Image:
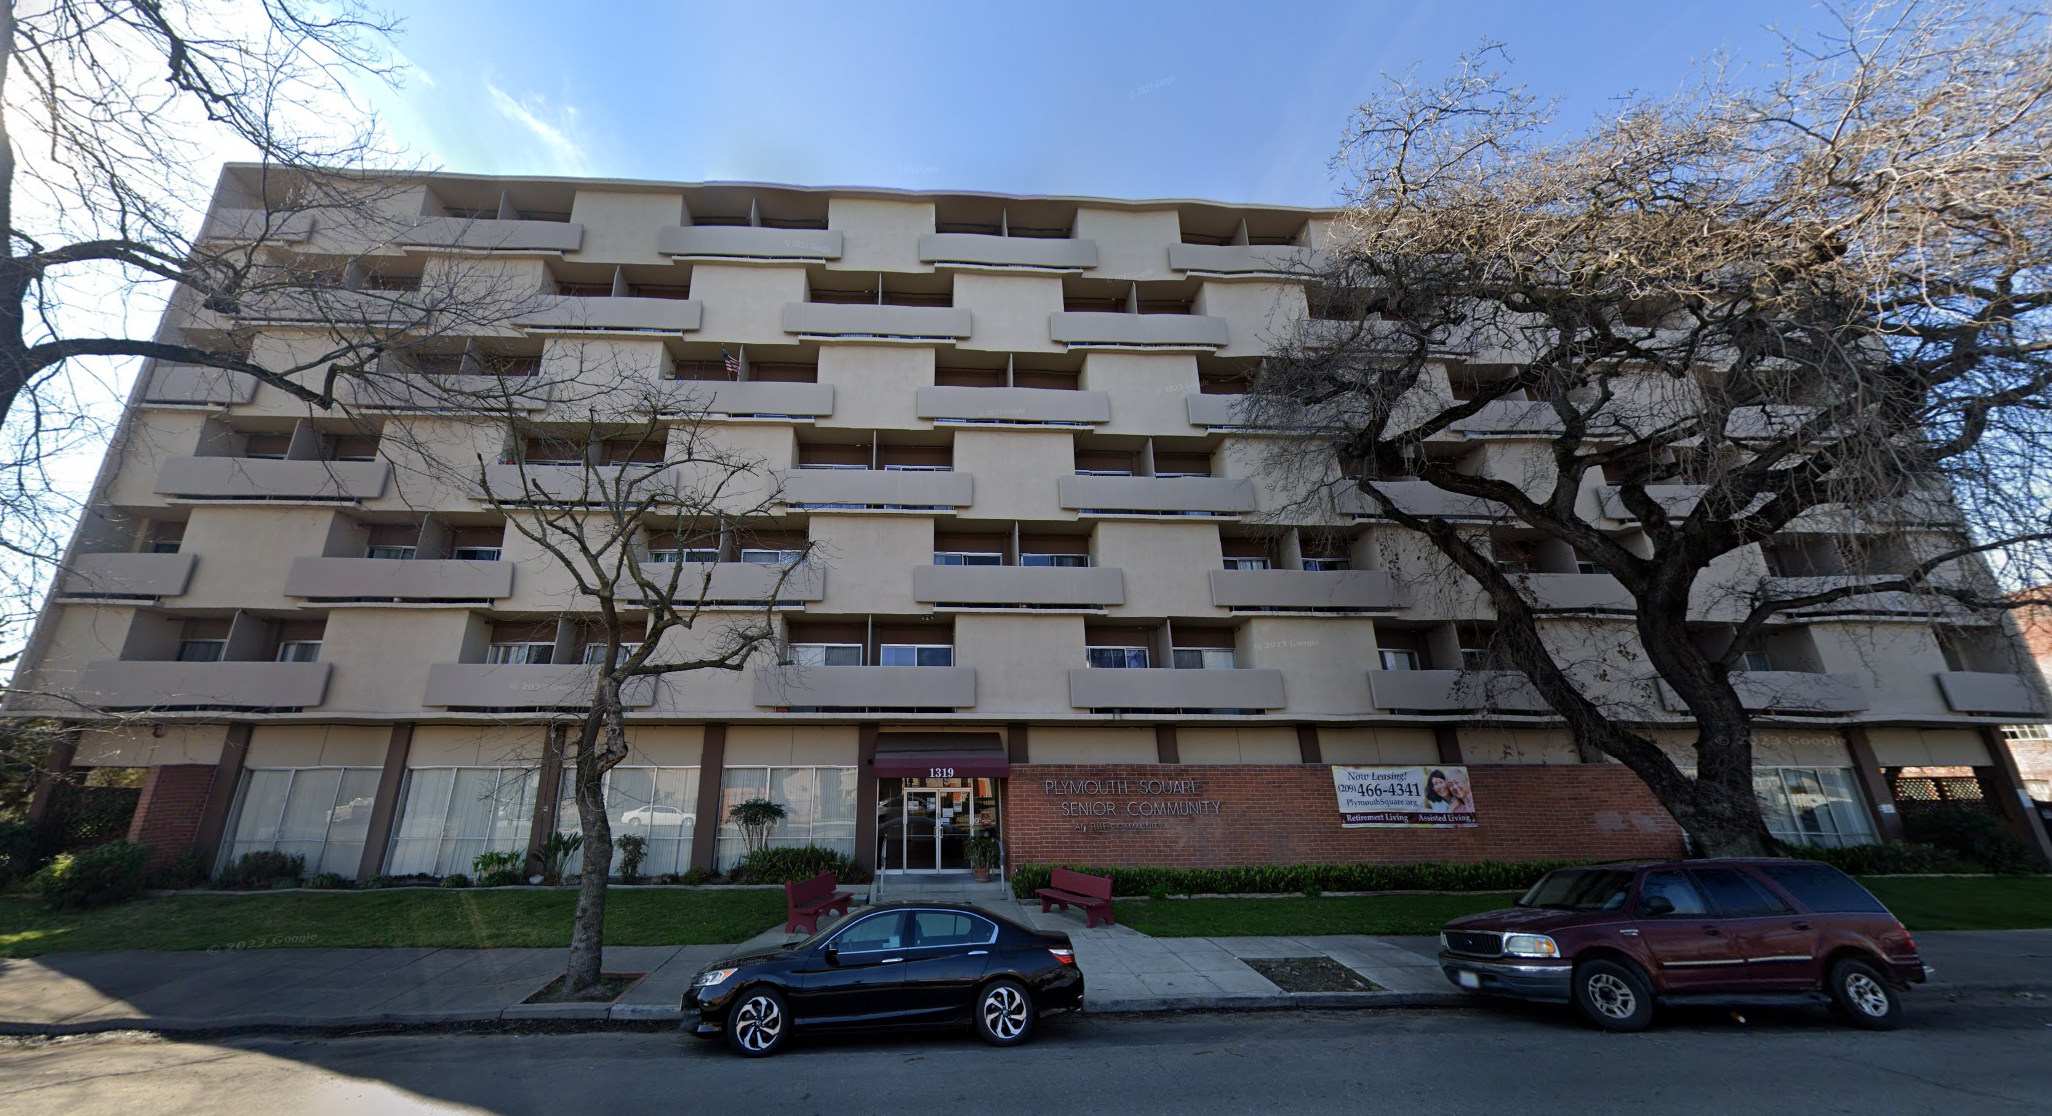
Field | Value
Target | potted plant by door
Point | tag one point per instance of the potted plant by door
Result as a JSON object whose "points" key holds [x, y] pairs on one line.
{"points": [[984, 855]]}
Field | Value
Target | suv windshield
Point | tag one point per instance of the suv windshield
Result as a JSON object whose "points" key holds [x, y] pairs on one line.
{"points": [[1580, 889]]}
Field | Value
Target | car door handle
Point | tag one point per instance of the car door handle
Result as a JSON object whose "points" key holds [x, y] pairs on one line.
{"points": [[1802, 926], [890, 960], [1629, 933], [1713, 931], [979, 953]]}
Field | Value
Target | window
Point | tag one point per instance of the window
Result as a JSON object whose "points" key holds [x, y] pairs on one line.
{"points": [[1120, 657], [693, 554], [1587, 567], [949, 928], [966, 558], [1735, 895], [1676, 889], [524, 654], [300, 651], [1756, 660], [201, 650], [1813, 806], [390, 553], [448, 815], [826, 654], [772, 557], [872, 934], [163, 546], [819, 807], [1821, 887], [1327, 565], [1584, 889], [1484, 658], [1065, 561], [320, 813], [476, 553], [595, 653], [1204, 659], [917, 654], [1398, 659], [1246, 563], [658, 803]]}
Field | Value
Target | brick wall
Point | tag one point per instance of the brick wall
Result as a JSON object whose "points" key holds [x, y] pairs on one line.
{"points": [[167, 819], [1289, 815], [2033, 758]]}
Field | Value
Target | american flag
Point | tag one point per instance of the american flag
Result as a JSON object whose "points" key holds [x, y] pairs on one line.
{"points": [[733, 363]]}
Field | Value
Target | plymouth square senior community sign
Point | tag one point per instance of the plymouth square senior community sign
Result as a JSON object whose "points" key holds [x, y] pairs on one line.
{"points": [[1404, 797]]}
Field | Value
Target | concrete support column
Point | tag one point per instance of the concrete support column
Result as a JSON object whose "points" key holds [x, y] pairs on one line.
{"points": [[1165, 750], [2001, 782], [1880, 795], [712, 767], [1307, 744], [865, 796], [377, 839], [221, 797], [55, 771], [1449, 740], [548, 792], [1015, 743]]}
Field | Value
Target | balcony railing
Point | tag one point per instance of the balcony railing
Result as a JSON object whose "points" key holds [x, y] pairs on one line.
{"points": [[524, 686], [1421, 498], [257, 478], [198, 384], [391, 391], [244, 225], [717, 243], [1013, 405], [1674, 499], [1037, 586], [133, 576], [1862, 604], [1578, 592], [834, 321], [1216, 411], [1158, 332], [1165, 688], [747, 399], [385, 580], [866, 687], [332, 306], [1993, 695], [970, 251], [1306, 590], [738, 582], [1243, 261], [877, 488], [1510, 417], [1788, 691], [474, 235], [123, 684], [1452, 691], [581, 484], [1157, 495], [624, 314]]}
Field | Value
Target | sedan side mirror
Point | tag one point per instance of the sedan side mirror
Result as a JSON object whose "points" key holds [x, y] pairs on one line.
{"points": [[832, 953], [1656, 905]]}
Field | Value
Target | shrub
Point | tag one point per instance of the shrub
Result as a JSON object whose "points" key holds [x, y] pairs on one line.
{"points": [[791, 863], [1973, 834], [186, 871], [327, 881], [1896, 858], [108, 873], [284, 883], [669, 878], [504, 877], [633, 848], [1282, 879], [555, 855], [259, 870], [485, 863], [374, 883], [693, 877], [455, 879], [24, 848]]}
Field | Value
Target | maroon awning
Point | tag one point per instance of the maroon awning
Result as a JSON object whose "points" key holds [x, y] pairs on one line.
{"points": [[941, 755]]}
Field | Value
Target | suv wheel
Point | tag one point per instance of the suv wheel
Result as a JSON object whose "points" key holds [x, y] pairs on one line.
{"points": [[758, 1023], [1862, 996], [1613, 995]]}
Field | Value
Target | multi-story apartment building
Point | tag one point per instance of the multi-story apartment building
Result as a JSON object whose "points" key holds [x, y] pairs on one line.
{"points": [[1052, 600]]}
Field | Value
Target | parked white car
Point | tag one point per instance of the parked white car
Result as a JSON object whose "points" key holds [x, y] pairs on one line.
{"points": [[657, 817]]}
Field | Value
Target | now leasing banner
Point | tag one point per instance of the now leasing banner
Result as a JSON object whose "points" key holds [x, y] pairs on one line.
{"points": [[1404, 797]]}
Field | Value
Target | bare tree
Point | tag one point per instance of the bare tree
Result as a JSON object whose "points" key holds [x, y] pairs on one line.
{"points": [[1815, 303]]}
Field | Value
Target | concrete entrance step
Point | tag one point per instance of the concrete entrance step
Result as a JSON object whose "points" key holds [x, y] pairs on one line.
{"points": [[937, 887]]}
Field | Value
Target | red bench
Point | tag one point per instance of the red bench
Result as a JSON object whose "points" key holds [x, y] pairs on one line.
{"points": [[806, 900], [1092, 893]]}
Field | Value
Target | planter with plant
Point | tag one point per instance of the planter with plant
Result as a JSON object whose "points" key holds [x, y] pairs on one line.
{"points": [[984, 855]]}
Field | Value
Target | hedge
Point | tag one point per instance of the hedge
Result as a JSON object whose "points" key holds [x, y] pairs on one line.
{"points": [[1282, 879], [791, 863], [1895, 858]]}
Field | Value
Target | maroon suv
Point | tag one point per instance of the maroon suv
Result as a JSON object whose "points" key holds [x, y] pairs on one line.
{"points": [[1612, 938]]}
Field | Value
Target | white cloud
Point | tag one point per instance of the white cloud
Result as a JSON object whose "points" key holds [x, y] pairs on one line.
{"points": [[564, 155]]}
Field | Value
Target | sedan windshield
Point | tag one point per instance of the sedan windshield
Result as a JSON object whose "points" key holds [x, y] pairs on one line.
{"points": [[1580, 889]]}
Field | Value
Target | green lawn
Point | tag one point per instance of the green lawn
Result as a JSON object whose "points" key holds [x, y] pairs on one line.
{"points": [[400, 917], [1966, 902]]}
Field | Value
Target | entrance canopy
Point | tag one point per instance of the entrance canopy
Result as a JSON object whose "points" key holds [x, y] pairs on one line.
{"points": [[941, 755]]}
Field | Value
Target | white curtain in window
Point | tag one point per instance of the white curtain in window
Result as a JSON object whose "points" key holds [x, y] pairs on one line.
{"points": [[1818, 806], [450, 815], [320, 813], [819, 805]]}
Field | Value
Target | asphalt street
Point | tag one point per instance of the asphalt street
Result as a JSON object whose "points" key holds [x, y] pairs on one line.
{"points": [[1988, 1054]]}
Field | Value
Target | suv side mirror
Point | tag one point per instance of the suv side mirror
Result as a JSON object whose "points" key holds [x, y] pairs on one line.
{"points": [[1656, 905]]}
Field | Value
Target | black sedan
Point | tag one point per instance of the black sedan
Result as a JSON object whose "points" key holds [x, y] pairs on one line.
{"points": [[895, 965]]}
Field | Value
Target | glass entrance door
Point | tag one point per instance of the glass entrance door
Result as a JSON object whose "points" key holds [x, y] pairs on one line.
{"points": [[938, 825]]}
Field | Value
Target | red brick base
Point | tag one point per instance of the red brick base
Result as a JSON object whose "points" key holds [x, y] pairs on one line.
{"points": [[167, 819], [1289, 815]]}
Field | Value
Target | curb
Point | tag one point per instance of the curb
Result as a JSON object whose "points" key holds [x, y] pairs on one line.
{"points": [[1274, 1001]]}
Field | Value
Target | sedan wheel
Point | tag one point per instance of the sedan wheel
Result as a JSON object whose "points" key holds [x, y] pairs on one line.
{"points": [[1004, 1014], [1863, 998], [758, 1023], [1613, 996]]}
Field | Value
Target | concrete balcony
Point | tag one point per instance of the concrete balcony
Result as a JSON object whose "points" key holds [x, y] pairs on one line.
{"points": [[1041, 586], [1788, 691], [752, 399], [524, 686], [1152, 332], [1013, 405], [1243, 261], [1223, 412], [738, 582], [1890, 603], [833, 321], [127, 576], [258, 478], [1575, 592], [748, 244], [1501, 418], [877, 488], [1995, 695], [1421, 498], [579, 314], [1674, 499], [387, 580], [1304, 590], [1161, 688], [1454, 691], [462, 394], [578, 484], [974, 252], [1157, 495], [474, 235], [332, 307], [198, 385], [122, 684], [250, 225], [866, 687]]}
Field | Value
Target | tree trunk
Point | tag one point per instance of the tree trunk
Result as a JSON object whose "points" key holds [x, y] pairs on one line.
{"points": [[594, 759]]}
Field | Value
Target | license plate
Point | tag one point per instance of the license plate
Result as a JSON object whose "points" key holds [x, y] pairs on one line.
{"points": [[1467, 979]]}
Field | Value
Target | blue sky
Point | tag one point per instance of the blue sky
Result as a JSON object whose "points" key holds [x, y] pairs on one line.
{"points": [[1238, 102]]}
